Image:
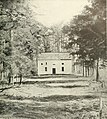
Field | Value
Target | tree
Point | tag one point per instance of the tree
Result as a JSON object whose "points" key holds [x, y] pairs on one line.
{"points": [[89, 28], [10, 14], [57, 38], [6, 24]]}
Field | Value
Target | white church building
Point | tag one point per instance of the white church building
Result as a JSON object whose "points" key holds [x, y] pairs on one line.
{"points": [[54, 63]]}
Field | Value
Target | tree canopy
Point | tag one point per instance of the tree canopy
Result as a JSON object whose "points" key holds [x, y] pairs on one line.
{"points": [[88, 31], [21, 38]]}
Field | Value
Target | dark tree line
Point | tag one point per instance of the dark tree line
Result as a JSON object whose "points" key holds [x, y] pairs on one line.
{"points": [[88, 30], [22, 38]]}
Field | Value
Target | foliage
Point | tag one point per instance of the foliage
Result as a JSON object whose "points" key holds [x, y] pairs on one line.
{"points": [[88, 30], [89, 27], [57, 38], [26, 38]]}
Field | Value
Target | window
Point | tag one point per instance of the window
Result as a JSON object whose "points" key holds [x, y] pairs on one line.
{"points": [[46, 63], [41, 63], [62, 68], [45, 68], [62, 63]]}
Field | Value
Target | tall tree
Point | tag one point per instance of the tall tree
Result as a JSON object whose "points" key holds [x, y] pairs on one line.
{"points": [[89, 28], [11, 12]]}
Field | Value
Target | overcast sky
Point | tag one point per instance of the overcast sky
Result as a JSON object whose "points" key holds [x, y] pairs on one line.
{"points": [[56, 11]]}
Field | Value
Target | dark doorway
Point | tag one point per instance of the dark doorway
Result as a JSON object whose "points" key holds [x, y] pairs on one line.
{"points": [[53, 70]]}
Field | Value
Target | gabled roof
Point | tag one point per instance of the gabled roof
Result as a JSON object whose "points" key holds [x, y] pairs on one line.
{"points": [[52, 56]]}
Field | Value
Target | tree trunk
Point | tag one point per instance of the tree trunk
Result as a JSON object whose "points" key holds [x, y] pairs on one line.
{"points": [[2, 72], [37, 61], [88, 70], [83, 68], [2, 76], [97, 70]]}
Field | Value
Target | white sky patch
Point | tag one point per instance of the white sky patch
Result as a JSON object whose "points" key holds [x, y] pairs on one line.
{"points": [[57, 11]]}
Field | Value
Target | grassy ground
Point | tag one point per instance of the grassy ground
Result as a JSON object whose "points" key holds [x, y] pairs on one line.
{"points": [[56, 99], [54, 107]]}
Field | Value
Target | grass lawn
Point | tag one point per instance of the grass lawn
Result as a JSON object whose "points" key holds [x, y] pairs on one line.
{"points": [[50, 100]]}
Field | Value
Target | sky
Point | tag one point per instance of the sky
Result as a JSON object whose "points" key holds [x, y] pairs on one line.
{"points": [[51, 12]]}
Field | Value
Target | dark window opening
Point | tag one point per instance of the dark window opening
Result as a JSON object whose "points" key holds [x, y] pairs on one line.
{"points": [[62, 68], [45, 68], [46, 63], [41, 63], [62, 63]]}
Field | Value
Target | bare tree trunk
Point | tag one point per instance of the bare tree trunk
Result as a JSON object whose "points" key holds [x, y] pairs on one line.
{"points": [[37, 61], [83, 68], [88, 70], [97, 71], [2, 72], [2, 76]]}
